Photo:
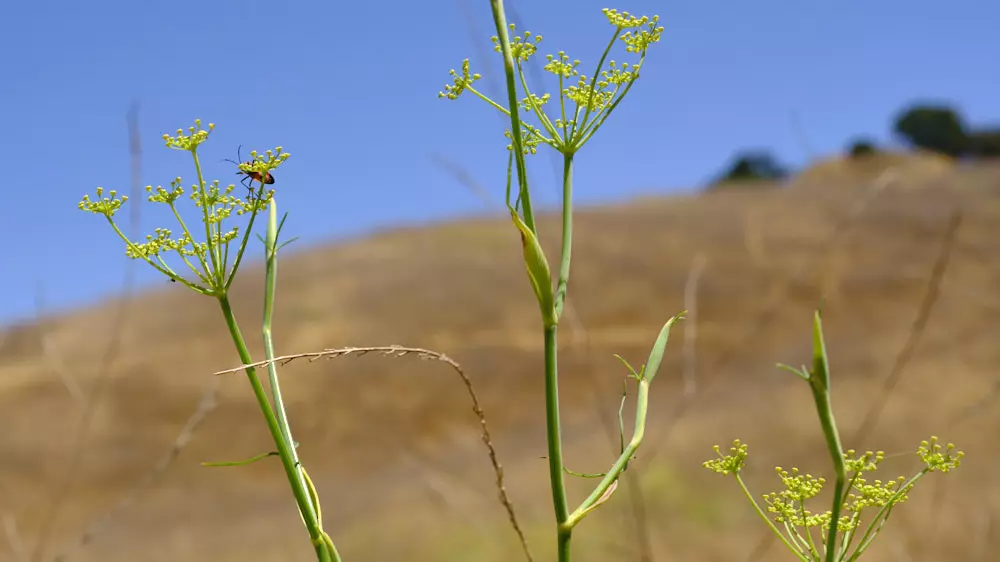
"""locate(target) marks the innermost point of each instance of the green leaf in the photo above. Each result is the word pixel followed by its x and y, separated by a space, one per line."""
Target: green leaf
pixel 656 354
pixel 242 462
pixel 621 420
pixel 821 365
pixel 801 373
pixel 583 474
pixel 628 366
pixel 538 270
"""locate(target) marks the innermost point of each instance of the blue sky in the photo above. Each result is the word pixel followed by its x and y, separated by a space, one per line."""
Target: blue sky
pixel 350 90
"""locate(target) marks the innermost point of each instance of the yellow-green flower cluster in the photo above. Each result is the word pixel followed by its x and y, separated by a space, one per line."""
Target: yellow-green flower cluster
pixel 452 91
pixel 624 20
pixel 561 66
pixel 877 494
pixel 594 98
pixel 533 101
pixel 530 139
pixel 938 460
pixel 196 135
pixel 106 206
pixel 586 96
pixel 216 203
pixel 638 41
pixel 521 48
pixel 728 464
pixel 864 463
pixel 162 242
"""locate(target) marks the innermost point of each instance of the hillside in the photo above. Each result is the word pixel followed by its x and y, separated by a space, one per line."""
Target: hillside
pixel 394 448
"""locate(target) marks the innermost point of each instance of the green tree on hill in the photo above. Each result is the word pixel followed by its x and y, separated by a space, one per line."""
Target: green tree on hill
pixel 937 128
pixel 861 147
pixel 984 143
pixel 753 165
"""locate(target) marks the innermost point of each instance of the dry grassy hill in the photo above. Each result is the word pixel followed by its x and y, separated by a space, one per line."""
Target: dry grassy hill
pixel 393 445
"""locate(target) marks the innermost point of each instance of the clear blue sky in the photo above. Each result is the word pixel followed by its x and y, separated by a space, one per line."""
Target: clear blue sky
pixel 350 90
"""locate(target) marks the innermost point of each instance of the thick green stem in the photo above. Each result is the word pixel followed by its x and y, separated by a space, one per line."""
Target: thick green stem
pixel 567 233
pixel 270 284
pixel 819 382
pixel 554 437
pixel 285 448
pixel 823 407
pixel 500 20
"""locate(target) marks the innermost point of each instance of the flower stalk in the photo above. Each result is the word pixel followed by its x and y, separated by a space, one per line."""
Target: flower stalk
pixel 583 108
pixel 208 261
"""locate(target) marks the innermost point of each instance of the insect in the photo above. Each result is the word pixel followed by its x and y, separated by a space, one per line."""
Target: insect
pixel 250 177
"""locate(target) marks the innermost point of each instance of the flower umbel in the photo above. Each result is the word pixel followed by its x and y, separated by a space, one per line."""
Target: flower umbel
pixel 196 135
pixel 521 47
pixel 731 463
pixel 938 460
pixel 106 206
pixel 624 20
pixel 561 66
pixel 208 256
pixel 639 41
pixel 584 105
pixel 452 91
pixel 873 497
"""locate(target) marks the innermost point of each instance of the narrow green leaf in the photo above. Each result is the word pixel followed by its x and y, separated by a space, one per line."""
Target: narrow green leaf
pixel 821 365
pixel 584 474
pixel 621 420
pixel 627 366
pixel 801 373
pixel 656 354
pixel 245 461
pixel 538 270
pixel 242 462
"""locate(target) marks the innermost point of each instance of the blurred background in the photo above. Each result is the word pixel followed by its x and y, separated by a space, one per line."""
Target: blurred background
pixel 771 157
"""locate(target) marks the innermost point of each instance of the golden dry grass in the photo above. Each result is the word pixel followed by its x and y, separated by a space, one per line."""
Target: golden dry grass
pixel 393 445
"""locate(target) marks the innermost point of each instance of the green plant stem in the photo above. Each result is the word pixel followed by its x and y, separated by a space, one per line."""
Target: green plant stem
pixel 270 283
pixel 567 233
pixel 554 438
pixel 823 407
pixel 500 20
pixel 243 245
pixel 882 515
pixel 578 126
pixel 819 382
pixel 285 449
pixel 213 248
pixel 850 535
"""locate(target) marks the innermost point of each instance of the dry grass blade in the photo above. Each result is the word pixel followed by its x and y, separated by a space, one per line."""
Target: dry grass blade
pixel 50 353
pixel 206 405
pixel 465 178
pixel 400 351
pixel 691 325
pixel 63 490
pixel 17 547
pixel 916 329
pixel 774 304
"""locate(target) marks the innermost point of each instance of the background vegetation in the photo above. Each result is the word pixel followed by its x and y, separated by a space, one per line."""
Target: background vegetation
pixel 934 128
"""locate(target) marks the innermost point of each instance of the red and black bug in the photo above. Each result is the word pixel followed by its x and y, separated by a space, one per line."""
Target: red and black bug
pixel 251 176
